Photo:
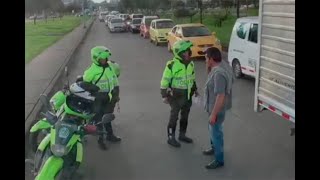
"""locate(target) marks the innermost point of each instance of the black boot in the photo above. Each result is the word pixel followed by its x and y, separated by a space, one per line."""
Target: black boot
pixel 110 136
pixel 172 139
pixel 113 138
pixel 173 142
pixel 101 143
pixel 184 138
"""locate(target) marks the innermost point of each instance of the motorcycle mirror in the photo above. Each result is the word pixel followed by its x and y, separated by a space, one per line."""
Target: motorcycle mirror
pixel 66 75
pixel 108 118
pixel 66 71
pixel 45 101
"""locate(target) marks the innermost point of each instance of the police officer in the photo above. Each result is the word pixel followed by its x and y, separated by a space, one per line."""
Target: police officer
pixel 177 88
pixel 104 73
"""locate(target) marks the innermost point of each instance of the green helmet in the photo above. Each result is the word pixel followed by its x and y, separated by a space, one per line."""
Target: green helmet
pixel 99 52
pixel 181 46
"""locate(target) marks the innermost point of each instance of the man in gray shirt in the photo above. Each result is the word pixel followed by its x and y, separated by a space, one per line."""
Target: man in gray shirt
pixel 217 100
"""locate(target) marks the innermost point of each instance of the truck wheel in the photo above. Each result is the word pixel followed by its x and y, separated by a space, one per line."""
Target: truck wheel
pixel 236 67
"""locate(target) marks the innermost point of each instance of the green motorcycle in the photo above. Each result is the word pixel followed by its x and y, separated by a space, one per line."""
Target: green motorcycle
pixel 55 109
pixel 60 153
pixel 41 128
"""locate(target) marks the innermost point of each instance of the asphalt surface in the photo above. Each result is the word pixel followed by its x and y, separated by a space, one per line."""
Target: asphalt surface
pixel 257 145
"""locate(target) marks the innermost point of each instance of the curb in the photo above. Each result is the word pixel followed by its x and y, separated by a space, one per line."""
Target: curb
pixel 50 89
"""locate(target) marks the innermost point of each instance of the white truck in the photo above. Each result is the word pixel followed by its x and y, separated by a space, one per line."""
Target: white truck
pixel 275 78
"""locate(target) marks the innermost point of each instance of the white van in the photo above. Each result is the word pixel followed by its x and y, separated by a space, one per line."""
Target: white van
pixel 244 47
pixel 102 15
pixel 124 16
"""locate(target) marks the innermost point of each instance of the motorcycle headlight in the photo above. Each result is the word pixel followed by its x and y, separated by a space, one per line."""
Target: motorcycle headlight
pixel 59 150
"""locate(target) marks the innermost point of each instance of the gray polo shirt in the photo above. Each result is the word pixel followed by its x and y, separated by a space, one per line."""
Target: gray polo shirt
pixel 216 84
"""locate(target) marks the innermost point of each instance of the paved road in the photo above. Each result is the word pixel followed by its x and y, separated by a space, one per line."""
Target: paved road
pixel 257 145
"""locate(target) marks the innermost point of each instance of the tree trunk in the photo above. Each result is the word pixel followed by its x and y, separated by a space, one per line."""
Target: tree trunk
pixel 201 15
pixel 238 8
pixel 247 6
pixel 200 7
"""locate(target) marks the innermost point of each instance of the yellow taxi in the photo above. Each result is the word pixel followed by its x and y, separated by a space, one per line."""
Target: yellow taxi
pixel 198 34
pixel 159 30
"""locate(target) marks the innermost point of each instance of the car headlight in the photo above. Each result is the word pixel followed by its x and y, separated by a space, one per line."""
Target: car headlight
pixel 59 150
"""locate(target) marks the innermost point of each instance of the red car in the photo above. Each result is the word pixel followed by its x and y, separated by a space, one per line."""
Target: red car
pixel 145 25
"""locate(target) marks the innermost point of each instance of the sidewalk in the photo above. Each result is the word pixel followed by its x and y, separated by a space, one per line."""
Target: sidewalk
pixel 44 70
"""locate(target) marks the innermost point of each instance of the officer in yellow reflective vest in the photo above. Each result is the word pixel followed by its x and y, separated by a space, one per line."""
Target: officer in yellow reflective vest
pixel 104 73
pixel 177 88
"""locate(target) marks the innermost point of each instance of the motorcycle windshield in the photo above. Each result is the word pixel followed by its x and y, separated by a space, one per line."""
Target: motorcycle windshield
pixel 64 131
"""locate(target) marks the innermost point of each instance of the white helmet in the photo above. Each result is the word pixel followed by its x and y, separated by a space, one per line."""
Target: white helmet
pixel 79 91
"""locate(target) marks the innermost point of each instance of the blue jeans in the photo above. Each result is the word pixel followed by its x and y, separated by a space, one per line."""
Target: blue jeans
pixel 216 137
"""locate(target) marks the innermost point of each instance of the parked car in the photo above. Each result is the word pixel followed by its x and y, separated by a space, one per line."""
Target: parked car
pixel 116 25
pixel 107 18
pixel 159 30
pixel 145 25
pixel 37 17
pixel 114 13
pixel 124 17
pixel 133 16
pixel 102 15
pixel 32 17
pixel 243 46
pixel 134 25
pixel 198 34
